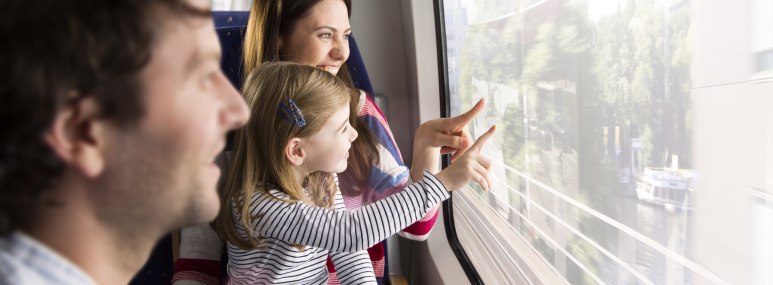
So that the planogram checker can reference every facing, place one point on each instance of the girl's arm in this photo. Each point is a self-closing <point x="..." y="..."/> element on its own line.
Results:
<point x="345" y="231"/>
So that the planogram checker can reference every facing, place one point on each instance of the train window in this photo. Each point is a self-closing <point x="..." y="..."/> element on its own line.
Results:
<point x="634" y="138"/>
<point x="231" y="5"/>
<point x="762" y="221"/>
<point x="762" y="30"/>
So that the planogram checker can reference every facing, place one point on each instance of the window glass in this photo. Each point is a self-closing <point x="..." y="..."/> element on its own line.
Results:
<point x="762" y="227"/>
<point x="231" y="5"/>
<point x="762" y="34"/>
<point x="630" y="134"/>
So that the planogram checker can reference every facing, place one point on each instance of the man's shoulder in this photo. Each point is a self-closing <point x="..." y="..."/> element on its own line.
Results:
<point x="25" y="261"/>
<point x="16" y="264"/>
<point x="14" y="272"/>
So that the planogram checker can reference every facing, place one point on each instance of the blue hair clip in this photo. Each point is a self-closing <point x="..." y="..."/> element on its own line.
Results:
<point x="292" y="113"/>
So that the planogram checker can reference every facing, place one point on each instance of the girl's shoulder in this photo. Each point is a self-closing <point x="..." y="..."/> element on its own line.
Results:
<point x="268" y="194"/>
<point x="273" y="192"/>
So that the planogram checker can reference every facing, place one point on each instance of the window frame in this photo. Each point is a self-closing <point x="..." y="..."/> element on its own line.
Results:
<point x="445" y="111"/>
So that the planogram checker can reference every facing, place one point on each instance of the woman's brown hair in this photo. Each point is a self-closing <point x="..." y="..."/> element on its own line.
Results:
<point x="272" y="19"/>
<point x="258" y="162"/>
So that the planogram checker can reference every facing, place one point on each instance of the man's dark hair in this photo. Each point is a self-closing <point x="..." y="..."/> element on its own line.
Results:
<point x="55" y="52"/>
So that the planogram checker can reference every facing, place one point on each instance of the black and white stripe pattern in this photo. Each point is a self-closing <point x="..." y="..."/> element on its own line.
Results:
<point x="344" y="234"/>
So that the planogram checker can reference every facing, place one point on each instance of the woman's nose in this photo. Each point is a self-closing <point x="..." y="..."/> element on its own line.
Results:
<point x="340" y="50"/>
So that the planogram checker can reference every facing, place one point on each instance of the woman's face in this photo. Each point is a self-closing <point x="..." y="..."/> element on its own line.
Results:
<point x="320" y="39"/>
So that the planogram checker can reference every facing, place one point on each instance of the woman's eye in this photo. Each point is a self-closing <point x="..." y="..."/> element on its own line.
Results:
<point x="347" y="36"/>
<point x="326" y="35"/>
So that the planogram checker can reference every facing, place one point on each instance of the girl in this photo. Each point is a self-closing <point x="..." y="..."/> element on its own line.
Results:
<point x="286" y="215"/>
<point x="289" y="30"/>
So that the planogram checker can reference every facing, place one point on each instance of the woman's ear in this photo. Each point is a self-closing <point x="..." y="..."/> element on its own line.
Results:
<point x="77" y="136"/>
<point x="279" y="45"/>
<point x="294" y="151"/>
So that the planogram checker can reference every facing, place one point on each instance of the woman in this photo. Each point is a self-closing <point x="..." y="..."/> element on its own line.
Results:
<point x="315" y="33"/>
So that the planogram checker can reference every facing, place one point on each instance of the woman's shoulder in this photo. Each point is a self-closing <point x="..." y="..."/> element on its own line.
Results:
<point x="367" y="108"/>
<point x="362" y="100"/>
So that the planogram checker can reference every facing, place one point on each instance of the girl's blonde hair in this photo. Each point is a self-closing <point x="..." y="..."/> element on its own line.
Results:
<point x="259" y="161"/>
<point x="271" y="20"/>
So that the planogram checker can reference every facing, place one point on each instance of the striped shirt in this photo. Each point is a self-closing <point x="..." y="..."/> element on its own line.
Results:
<point x="342" y="233"/>
<point x="24" y="260"/>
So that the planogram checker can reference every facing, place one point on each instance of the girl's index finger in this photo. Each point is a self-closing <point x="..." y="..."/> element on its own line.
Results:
<point x="483" y="138"/>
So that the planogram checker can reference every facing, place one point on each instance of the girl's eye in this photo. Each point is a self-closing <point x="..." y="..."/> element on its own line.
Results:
<point x="326" y="35"/>
<point x="347" y="36"/>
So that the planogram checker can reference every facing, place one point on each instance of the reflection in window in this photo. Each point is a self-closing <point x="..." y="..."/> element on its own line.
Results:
<point x="762" y="227"/>
<point x="231" y="5"/>
<point x="762" y="34"/>
<point x="595" y="164"/>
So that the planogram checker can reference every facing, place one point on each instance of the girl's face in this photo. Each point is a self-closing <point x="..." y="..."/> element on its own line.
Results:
<point x="328" y="149"/>
<point x="320" y="39"/>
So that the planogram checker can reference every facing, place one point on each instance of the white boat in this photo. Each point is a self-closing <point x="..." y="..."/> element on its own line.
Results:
<point x="670" y="187"/>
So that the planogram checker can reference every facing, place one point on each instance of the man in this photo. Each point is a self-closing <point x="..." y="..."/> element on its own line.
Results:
<point x="112" y="114"/>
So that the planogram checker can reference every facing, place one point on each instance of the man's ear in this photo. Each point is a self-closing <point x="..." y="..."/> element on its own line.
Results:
<point x="78" y="137"/>
<point x="294" y="151"/>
